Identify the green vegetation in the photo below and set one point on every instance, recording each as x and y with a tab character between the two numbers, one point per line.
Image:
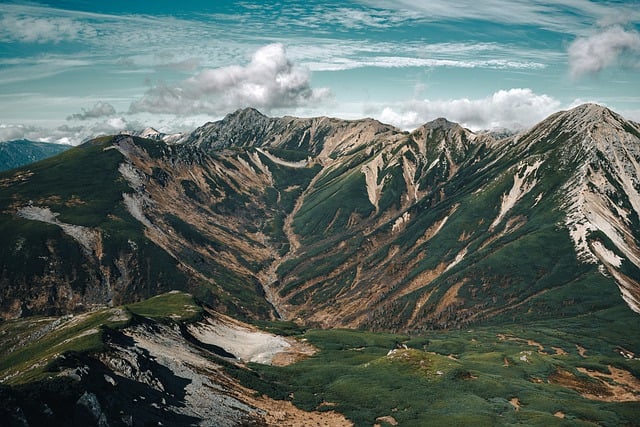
30	345
500	375
177	306
494	375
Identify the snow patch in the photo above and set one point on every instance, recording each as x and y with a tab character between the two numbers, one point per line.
457	259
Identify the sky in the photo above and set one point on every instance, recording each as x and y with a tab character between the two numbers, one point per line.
72	70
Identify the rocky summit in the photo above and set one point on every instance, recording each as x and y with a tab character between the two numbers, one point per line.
325	223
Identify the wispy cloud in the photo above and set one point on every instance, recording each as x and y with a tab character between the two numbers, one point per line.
270	80
338	64
513	109
607	47
571	16
29	29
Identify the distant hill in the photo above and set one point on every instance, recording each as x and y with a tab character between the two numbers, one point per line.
18	153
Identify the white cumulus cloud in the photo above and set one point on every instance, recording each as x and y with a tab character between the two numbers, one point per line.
269	81
603	49
512	109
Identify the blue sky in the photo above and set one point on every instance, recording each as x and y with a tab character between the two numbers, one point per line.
70	70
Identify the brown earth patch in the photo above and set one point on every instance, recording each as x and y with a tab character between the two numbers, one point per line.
504	337
588	388
559	414
450	298
387	419
622	385
559	351
298	351
423	279
285	414
581	350
515	402
617	386
464	236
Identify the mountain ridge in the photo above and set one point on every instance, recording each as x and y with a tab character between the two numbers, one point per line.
339	222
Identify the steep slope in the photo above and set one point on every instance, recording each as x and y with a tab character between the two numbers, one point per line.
122	218
455	229
22	152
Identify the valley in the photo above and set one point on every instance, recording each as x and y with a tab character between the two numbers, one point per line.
342	271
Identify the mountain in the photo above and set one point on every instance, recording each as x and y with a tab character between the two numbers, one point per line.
461	250
22	152
335	223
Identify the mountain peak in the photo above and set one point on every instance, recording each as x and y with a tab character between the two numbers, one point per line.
244	114
589	114
441	123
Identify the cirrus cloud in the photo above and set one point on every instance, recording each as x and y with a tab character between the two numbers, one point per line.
269	81
29	29
512	109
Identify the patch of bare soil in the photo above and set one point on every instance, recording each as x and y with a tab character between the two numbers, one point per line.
559	414
581	351
503	337
450	298
284	414
515	402
559	351
387	419
622	385
618	386
298	351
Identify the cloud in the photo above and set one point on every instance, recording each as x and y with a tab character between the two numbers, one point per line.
269	81
512	109
66	134
29	29
592	54
341	63
571	16
100	109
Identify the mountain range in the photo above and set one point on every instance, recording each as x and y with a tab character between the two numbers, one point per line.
324	223
22	152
